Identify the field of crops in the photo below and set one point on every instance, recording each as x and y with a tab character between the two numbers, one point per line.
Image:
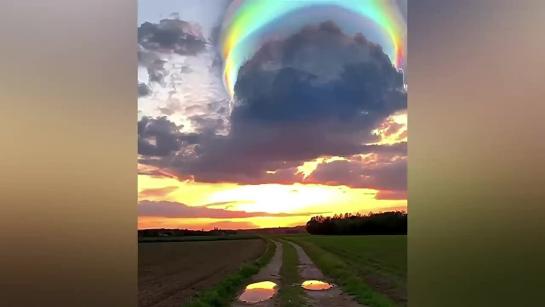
373	264
386	253
171	273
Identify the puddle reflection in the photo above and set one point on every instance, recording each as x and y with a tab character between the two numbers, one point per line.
258	292
316	285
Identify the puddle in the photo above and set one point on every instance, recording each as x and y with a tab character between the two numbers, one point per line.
316	285
258	292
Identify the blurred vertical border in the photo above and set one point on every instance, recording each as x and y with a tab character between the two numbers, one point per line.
68	153
476	152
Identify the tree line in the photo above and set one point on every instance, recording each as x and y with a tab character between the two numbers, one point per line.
393	222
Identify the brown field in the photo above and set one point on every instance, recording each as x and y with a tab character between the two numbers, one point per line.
170	273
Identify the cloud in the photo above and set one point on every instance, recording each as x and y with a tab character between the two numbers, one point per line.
156	41
168	209
154	64
316	93
172	106
150	170
226	204
392	130
143	90
381	173
157	136
157	192
391	195
172	35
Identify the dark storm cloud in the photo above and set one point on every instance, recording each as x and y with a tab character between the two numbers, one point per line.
171	35
319	92
158	136
316	93
206	123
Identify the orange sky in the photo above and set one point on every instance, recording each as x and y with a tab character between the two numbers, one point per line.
300	201
306	199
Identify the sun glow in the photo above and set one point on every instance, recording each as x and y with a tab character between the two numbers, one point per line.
276	198
294	204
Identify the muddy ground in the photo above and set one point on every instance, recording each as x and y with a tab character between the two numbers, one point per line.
270	272
332	297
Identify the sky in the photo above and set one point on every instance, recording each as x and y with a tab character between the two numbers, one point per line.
263	113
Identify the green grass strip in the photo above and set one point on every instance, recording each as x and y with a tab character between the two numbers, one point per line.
291	293
344	275
224	292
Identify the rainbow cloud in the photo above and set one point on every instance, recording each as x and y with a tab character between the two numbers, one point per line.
249	23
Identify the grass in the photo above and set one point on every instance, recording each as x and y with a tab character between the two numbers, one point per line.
224	293
350	259
290	293
387	254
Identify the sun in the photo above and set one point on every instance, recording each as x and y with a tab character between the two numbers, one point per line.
276	198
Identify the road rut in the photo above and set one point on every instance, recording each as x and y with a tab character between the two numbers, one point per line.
332	297
270	272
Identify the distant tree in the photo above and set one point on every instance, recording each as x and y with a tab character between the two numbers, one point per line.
394	222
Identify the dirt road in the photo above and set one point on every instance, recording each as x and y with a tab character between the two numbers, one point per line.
170	273
332	297
270	272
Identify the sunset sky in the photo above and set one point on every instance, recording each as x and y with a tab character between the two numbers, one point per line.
265	113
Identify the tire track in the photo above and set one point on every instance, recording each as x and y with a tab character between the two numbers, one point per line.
332	297
270	272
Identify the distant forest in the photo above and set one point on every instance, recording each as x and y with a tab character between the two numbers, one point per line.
390	223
